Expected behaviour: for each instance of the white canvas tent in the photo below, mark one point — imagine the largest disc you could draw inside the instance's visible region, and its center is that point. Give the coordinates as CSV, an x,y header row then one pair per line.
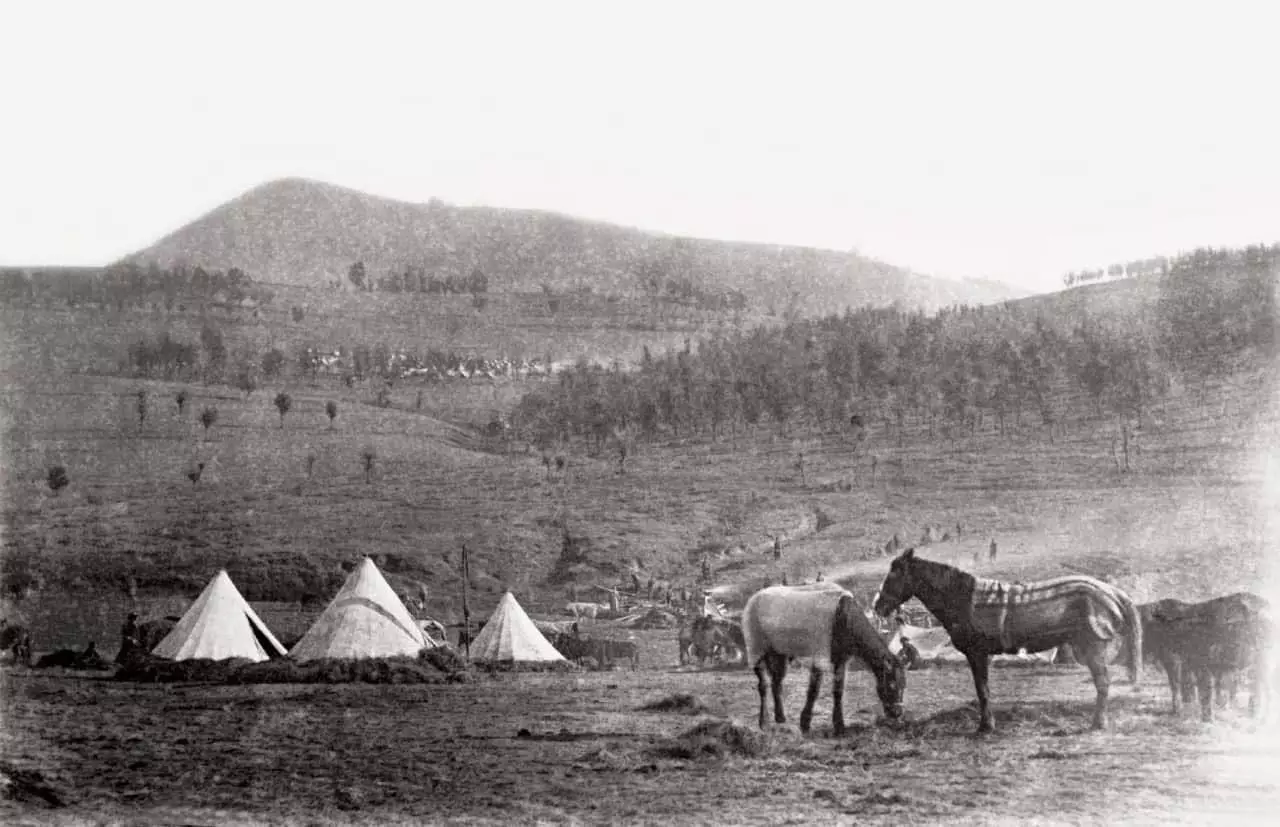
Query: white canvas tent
x,y
219,625
934,644
365,620
509,635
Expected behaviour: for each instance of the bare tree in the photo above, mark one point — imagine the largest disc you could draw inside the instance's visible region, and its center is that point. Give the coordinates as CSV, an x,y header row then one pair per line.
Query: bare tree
x,y
207,417
283,403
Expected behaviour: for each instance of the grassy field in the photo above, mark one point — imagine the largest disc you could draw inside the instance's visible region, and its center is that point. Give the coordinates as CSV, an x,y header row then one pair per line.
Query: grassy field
x,y
285,505
578,748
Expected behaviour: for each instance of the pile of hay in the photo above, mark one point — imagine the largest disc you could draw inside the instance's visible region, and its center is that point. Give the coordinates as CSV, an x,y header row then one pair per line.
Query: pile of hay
x,y
236,671
680,703
717,739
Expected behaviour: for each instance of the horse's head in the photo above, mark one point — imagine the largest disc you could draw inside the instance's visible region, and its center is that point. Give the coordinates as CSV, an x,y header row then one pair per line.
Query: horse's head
x,y
891,684
899,584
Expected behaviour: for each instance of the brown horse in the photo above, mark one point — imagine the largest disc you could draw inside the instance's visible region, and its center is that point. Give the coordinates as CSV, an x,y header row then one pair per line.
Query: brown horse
x,y
16,638
820,622
988,617
1202,645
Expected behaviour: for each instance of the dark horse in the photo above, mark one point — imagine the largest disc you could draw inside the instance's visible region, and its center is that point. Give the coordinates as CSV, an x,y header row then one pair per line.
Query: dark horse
x,y
1200,645
820,622
988,617
17,638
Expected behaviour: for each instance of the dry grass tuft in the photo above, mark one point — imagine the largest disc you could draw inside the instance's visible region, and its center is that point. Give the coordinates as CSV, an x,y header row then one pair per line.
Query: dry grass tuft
x,y
718,739
681,702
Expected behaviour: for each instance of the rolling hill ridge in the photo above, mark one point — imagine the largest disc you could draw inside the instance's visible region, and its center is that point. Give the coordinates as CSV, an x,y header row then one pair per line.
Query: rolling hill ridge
x,y
307,234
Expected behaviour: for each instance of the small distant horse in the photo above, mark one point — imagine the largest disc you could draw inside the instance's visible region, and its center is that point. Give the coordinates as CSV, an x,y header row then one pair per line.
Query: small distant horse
x,y
988,617
584,610
16,638
1202,645
820,622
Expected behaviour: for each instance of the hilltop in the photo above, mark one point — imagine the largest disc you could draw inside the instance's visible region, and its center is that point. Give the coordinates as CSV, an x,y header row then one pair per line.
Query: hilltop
x,y
306,233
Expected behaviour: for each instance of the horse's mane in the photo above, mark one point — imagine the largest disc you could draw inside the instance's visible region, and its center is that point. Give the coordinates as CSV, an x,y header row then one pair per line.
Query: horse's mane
x,y
946,577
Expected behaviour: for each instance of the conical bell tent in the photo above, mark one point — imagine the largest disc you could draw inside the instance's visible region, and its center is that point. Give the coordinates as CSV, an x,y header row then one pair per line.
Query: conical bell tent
x,y
219,625
365,620
509,635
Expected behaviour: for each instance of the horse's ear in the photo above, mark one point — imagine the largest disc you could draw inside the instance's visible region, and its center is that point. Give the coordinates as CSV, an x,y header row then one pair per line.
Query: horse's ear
x,y
909,553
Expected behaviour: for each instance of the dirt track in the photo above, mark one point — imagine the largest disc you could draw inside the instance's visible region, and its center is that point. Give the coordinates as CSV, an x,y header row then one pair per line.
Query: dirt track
x,y
394,754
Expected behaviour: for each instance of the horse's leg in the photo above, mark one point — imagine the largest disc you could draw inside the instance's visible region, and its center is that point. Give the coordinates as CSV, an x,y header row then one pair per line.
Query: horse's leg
x,y
979,665
1223,688
778,671
762,685
1187,679
815,684
1204,684
1173,669
1096,660
837,698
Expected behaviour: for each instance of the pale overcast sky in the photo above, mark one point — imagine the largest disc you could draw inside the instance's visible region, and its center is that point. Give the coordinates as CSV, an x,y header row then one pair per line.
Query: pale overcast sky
x,y
1010,140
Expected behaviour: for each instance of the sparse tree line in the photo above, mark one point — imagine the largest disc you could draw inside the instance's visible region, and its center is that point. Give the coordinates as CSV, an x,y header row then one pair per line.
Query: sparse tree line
x,y
129,284
416,279
951,372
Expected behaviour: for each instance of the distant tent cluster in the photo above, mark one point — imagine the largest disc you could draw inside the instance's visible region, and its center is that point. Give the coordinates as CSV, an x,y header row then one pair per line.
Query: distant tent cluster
x,y
365,620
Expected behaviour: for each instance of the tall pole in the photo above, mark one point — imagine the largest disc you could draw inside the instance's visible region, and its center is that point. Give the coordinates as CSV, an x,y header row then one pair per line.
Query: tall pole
x,y
466,606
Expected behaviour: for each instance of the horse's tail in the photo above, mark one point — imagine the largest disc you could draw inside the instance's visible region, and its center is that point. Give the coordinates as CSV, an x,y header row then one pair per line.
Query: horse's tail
x,y
1133,632
752,634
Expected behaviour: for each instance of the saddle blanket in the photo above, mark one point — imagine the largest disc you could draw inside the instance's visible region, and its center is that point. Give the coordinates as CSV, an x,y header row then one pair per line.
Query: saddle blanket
x,y
1010,612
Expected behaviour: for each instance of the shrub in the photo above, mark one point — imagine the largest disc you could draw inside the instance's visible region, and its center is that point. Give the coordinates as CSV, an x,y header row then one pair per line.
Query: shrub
x,y
57,479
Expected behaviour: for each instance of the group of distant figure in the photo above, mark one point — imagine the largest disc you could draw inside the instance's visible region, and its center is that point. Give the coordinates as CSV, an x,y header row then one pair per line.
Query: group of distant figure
x,y
933,535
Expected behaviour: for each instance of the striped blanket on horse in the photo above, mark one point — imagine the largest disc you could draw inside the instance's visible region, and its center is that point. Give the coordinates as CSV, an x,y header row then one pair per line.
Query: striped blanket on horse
x,y
1015,612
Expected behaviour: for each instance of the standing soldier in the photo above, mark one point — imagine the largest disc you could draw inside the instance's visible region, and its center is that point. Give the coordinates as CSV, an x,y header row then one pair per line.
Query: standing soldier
x,y
777,548
992,552
129,641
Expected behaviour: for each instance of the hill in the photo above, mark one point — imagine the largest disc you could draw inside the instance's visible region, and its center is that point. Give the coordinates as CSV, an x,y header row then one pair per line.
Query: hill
x,y
306,233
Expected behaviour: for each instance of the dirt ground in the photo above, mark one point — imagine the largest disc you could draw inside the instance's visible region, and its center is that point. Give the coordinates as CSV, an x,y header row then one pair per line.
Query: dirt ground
x,y
577,748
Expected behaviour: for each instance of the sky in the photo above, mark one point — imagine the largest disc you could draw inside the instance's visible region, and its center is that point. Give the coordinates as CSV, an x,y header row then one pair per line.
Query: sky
x,y
1013,141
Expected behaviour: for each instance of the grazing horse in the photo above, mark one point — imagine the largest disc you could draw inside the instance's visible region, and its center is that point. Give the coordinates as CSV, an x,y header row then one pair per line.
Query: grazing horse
x,y
1201,645
822,623
988,617
16,638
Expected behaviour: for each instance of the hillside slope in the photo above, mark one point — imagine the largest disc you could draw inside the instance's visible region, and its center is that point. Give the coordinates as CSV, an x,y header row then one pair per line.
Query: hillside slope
x,y
306,233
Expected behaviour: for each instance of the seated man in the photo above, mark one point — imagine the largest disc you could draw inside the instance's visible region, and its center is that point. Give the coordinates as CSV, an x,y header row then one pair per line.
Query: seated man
x,y
909,654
